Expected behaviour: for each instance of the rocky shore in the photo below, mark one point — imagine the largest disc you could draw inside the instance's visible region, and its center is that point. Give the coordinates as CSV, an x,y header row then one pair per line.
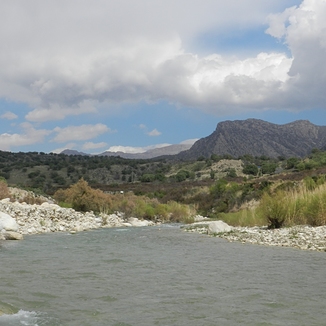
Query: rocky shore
x,y
18,219
301,237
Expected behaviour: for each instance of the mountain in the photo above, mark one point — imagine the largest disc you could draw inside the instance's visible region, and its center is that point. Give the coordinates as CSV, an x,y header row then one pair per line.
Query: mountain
x,y
162,151
257,138
73,152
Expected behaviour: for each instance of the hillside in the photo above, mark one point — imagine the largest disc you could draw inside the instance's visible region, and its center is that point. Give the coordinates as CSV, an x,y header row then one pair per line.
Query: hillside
x,y
235,149
257,138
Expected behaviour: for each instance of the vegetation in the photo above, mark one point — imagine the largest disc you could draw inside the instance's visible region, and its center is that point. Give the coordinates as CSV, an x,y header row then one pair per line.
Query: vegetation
x,y
302,204
289,191
82,197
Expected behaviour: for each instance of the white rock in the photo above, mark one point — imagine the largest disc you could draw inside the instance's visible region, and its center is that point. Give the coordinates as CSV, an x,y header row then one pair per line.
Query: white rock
x,y
136,222
199,218
218,227
7,222
10,235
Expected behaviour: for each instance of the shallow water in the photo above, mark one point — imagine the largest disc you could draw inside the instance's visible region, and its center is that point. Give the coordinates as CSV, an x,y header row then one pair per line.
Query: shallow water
x,y
157,276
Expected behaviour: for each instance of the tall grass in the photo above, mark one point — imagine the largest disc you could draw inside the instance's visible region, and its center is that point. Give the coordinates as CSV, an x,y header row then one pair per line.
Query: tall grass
x,y
302,205
244,217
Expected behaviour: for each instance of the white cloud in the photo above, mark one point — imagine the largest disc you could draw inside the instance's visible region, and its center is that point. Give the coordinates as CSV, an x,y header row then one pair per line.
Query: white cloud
x,y
9,116
67,58
91,145
55,111
303,30
79,133
28,136
154,133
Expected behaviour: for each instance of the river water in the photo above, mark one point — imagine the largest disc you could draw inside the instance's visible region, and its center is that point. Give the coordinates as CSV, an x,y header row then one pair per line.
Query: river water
x,y
157,276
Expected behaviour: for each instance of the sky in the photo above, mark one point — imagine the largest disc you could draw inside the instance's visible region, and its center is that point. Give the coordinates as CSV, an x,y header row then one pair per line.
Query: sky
x,y
97,75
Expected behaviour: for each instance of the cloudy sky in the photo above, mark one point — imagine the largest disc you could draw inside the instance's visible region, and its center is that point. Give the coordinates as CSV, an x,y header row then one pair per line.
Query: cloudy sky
x,y
96,75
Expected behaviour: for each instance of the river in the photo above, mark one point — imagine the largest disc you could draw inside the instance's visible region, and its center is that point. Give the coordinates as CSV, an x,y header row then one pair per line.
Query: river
x,y
157,276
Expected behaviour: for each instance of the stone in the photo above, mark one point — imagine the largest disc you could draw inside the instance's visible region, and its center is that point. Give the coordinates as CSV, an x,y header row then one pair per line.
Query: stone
x,y
136,222
7,222
10,235
218,227
199,218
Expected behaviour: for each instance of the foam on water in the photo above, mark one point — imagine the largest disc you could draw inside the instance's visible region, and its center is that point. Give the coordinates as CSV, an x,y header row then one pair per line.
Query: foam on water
x,y
26,318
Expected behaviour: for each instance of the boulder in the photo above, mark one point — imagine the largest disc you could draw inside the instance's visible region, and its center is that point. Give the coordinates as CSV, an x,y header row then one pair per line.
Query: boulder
x,y
7,222
218,227
136,222
10,235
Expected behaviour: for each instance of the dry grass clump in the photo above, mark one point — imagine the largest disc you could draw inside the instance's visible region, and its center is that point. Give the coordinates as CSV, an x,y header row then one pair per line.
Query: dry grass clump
x,y
4,191
245,217
304,204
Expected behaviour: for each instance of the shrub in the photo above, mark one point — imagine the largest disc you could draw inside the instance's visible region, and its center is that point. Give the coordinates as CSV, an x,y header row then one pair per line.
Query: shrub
x,y
83,198
179,213
274,209
250,169
4,191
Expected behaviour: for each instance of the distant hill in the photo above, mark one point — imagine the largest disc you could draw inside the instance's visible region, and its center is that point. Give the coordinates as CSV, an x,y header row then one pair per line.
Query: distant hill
x,y
257,138
152,153
166,150
73,152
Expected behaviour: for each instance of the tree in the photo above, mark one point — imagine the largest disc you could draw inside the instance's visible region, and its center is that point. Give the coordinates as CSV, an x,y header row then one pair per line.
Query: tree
x,y
292,162
251,169
268,168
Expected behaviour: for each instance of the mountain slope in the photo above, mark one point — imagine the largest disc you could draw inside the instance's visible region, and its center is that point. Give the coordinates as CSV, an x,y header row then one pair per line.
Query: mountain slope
x,y
258,137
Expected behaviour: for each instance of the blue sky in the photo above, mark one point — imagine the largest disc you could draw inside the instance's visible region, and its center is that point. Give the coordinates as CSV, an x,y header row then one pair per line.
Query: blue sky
x,y
124,75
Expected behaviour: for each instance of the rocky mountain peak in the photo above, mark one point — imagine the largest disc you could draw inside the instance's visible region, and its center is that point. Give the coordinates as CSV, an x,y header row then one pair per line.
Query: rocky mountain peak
x,y
257,137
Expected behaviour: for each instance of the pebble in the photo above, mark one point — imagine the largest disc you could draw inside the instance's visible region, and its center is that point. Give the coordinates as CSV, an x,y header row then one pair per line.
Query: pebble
x,y
302,236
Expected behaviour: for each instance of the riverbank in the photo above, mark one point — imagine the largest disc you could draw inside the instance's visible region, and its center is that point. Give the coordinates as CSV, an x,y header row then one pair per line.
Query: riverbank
x,y
49,217
301,237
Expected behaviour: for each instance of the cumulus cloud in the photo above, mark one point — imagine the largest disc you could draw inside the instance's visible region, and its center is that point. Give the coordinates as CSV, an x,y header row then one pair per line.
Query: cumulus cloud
x,y
303,30
28,136
79,133
57,111
64,58
154,133
9,116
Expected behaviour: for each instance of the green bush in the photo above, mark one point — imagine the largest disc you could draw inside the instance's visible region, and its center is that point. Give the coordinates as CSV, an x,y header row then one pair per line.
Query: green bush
x,y
250,169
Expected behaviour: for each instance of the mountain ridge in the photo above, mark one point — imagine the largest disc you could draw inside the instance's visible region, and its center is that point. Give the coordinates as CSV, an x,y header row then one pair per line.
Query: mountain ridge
x,y
258,137
240,137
